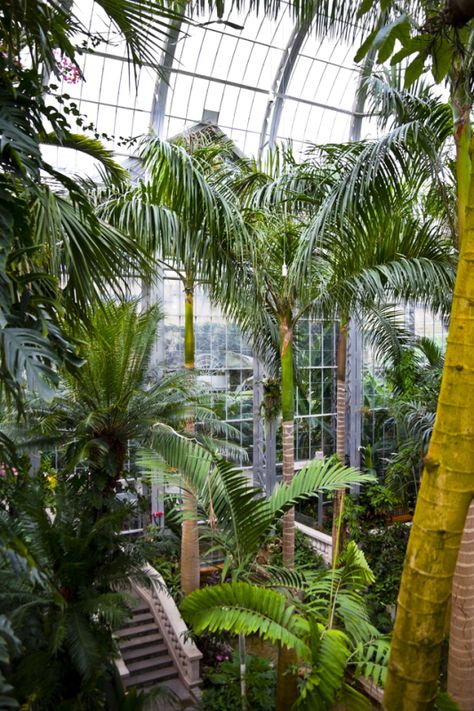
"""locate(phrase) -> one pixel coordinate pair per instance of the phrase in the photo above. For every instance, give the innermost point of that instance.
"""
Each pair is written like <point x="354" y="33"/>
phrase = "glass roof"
<point x="261" y="80"/>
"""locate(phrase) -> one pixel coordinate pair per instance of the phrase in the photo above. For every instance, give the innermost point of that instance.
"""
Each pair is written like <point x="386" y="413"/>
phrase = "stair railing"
<point x="319" y="541"/>
<point x="172" y="626"/>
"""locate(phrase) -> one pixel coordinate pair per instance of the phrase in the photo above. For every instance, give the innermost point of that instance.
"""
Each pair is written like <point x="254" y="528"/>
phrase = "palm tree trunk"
<point x="287" y="683"/>
<point x="190" y="561"/>
<point x="337" y="529"/>
<point x="461" y="635"/>
<point x="288" y="435"/>
<point x="445" y="495"/>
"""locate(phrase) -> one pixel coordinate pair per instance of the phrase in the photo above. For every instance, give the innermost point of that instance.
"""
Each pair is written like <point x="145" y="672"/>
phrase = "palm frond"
<point x="144" y="25"/>
<point x="91" y="147"/>
<point x="241" y="608"/>
<point x="324" y="682"/>
<point x="385" y="332"/>
<point x="317" y="476"/>
<point x="93" y="258"/>
<point x="329" y="17"/>
<point x="372" y="660"/>
<point x="27" y="356"/>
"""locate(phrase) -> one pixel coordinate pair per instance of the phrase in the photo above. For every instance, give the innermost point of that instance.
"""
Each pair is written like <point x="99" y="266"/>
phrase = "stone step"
<point x="136" y="630"/>
<point x="140" y="606"/>
<point x="143" y="650"/>
<point x="142" y="665"/>
<point x="155" y="676"/>
<point x="140" y="618"/>
<point x="142" y="641"/>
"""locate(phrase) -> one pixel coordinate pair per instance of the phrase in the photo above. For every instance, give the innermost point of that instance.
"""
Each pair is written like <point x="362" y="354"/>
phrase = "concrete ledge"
<point x="321" y="542"/>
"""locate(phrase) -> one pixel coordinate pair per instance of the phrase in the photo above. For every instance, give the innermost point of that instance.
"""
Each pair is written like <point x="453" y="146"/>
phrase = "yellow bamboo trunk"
<point x="445" y="495"/>
<point x="460" y="658"/>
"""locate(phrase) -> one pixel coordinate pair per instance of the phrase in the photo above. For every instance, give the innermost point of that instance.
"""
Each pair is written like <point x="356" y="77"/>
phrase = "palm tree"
<point x="182" y="213"/>
<point x="351" y="272"/>
<point x="112" y="402"/>
<point x="366" y="264"/>
<point x="267" y="300"/>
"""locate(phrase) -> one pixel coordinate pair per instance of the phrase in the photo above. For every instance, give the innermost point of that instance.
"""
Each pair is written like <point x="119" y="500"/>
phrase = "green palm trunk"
<point x="445" y="495"/>
<point x="190" y="562"/>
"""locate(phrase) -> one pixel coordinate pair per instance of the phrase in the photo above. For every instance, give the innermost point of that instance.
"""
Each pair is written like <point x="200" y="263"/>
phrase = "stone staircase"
<point x="147" y="657"/>
<point x="155" y="649"/>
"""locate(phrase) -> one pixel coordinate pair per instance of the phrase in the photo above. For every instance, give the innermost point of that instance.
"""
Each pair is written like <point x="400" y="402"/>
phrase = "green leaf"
<point x="365" y="7"/>
<point x="323" y="685"/>
<point x="418" y="43"/>
<point x="399" y="27"/>
<point x="415" y="69"/>
<point x="442" y="59"/>
<point x="386" y="36"/>
<point x="373" y="660"/>
<point x="365" y="47"/>
<point x="405" y="52"/>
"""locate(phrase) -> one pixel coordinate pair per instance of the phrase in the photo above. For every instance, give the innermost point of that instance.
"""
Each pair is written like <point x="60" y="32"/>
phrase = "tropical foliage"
<point x="223" y="690"/>
<point x="328" y="631"/>
<point x="57" y="256"/>
<point x="355" y="230"/>
<point x="113" y="401"/>
<point x="189" y="222"/>
<point x="64" y="578"/>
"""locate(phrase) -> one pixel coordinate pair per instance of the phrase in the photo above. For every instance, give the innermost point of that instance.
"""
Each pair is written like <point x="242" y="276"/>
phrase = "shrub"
<point x="222" y="691"/>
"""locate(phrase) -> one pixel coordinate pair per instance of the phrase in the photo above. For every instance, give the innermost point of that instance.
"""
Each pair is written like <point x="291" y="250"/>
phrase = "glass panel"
<point x="302" y="432"/>
<point x="174" y="345"/>
<point x="329" y="390"/>
<point x="328" y="441"/>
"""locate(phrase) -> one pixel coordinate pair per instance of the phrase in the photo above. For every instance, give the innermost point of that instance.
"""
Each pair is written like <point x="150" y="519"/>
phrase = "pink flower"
<point x="68" y="70"/>
<point x="157" y="514"/>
